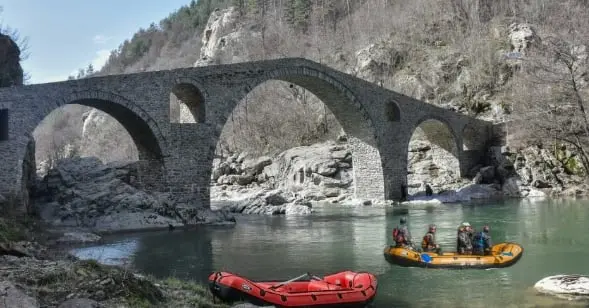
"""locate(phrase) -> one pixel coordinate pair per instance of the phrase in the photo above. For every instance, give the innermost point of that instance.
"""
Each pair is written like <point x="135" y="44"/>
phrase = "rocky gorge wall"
<point x="447" y="76"/>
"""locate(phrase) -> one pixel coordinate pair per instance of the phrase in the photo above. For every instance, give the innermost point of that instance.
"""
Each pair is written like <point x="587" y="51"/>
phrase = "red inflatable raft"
<point x="344" y="289"/>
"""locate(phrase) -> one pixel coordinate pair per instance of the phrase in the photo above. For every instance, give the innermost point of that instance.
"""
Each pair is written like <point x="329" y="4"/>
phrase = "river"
<point x="552" y="232"/>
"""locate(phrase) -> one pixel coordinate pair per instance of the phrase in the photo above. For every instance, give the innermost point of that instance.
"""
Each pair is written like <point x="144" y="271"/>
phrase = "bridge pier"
<point x="393" y="154"/>
<point x="368" y="173"/>
<point x="188" y="168"/>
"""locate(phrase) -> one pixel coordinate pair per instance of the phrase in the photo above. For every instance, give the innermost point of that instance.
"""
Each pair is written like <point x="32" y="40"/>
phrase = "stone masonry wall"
<point x="184" y="151"/>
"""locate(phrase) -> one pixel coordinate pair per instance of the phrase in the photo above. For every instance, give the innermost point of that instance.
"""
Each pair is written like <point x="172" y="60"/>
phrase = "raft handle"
<point x="262" y="292"/>
<point x="283" y="298"/>
<point x="314" y="297"/>
<point x="339" y="295"/>
<point x="363" y="293"/>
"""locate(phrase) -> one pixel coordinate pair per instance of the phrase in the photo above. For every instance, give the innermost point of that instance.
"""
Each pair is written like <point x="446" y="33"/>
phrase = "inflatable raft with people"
<point x="501" y="255"/>
<point x="344" y="289"/>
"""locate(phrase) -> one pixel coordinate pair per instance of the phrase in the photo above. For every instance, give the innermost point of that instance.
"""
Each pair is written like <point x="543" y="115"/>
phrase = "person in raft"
<point x="463" y="240"/>
<point x="482" y="242"/>
<point x="401" y="234"/>
<point x="428" y="244"/>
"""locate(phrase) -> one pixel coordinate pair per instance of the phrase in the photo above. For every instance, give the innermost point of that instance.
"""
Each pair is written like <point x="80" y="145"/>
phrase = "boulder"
<point x="248" y="305"/>
<point x="572" y="287"/>
<point x="521" y="36"/>
<point x="83" y="192"/>
<point x="79" y="303"/>
<point x="270" y="202"/>
<point x="12" y="296"/>
<point x="286" y="182"/>
<point x="78" y="237"/>
<point x="511" y="187"/>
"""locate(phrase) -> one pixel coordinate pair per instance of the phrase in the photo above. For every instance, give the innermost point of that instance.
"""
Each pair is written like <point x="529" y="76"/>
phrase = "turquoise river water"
<point x="554" y="234"/>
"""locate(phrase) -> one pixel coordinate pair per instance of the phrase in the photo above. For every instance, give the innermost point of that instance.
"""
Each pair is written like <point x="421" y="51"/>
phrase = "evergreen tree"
<point x="302" y="12"/>
<point x="90" y="70"/>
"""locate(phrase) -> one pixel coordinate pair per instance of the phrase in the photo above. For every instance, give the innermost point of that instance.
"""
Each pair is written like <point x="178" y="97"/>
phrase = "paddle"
<point x="289" y="281"/>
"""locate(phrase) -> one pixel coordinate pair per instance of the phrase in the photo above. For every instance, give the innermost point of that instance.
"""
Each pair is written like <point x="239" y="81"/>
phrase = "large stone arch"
<point x="143" y="129"/>
<point x="436" y="152"/>
<point x="350" y="113"/>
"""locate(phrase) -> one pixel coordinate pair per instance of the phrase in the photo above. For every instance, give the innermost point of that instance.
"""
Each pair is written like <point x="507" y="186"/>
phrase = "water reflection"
<point x="189" y="256"/>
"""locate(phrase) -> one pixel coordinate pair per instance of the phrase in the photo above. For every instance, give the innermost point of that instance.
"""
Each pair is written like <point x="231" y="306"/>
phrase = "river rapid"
<point x="335" y="238"/>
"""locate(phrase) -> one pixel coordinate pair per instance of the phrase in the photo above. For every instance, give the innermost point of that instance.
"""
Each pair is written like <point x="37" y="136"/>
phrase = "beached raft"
<point x="344" y="289"/>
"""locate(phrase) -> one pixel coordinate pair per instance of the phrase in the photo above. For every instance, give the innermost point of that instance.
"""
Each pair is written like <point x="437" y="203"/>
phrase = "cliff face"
<point x="434" y="54"/>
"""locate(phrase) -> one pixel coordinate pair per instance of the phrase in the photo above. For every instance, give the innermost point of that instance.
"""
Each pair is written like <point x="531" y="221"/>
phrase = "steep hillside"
<point x="478" y="57"/>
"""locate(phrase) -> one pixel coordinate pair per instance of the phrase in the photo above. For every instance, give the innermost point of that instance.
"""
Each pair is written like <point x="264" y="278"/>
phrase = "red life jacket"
<point x="398" y="236"/>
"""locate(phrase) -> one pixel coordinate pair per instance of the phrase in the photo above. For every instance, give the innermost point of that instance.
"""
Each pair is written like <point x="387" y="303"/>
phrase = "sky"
<point x="65" y="35"/>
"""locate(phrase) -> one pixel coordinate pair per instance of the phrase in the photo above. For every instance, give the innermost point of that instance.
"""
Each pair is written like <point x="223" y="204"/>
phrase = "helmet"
<point x="465" y="224"/>
<point x="432" y="228"/>
<point x="403" y="220"/>
<point x="486" y="229"/>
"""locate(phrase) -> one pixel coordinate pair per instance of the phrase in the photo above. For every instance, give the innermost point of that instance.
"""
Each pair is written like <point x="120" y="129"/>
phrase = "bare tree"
<point x="554" y="84"/>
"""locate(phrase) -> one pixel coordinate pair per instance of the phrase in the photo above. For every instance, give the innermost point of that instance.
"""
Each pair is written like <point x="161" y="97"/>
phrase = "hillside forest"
<point x="503" y="60"/>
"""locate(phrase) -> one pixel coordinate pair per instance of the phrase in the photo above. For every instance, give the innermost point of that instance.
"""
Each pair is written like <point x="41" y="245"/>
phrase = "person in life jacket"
<point x="401" y="234"/>
<point x="463" y="240"/>
<point x="482" y="242"/>
<point x="429" y="241"/>
<point x="469" y="231"/>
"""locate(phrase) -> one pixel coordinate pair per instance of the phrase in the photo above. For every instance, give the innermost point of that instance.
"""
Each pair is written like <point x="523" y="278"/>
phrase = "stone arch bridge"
<point x="176" y="154"/>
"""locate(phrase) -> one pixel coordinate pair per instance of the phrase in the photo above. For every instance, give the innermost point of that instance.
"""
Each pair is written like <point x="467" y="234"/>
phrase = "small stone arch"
<point x="392" y="111"/>
<point x="474" y="138"/>
<point x="4" y="124"/>
<point x="187" y="102"/>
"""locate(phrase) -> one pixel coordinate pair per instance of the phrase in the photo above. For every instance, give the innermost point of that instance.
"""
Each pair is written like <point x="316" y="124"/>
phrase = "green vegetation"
<point x="22" y="43"/>
<point x="191" y="293"/>
<point x="171" y="32"/>
<point x="11" y="230"/>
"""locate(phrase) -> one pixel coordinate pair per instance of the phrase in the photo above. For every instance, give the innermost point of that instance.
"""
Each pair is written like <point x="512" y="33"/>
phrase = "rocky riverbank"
<point x="285" y="184"/>
<point x="34" y="273"/>
<point x="292" y="181"/>
<point x="33" y="276"/>
<point x="83" y="193"/>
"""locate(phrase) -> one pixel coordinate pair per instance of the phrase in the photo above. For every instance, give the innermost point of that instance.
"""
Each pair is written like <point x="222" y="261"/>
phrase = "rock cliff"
<point x="83" y="193"/>
<point x="473" y="79"/>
